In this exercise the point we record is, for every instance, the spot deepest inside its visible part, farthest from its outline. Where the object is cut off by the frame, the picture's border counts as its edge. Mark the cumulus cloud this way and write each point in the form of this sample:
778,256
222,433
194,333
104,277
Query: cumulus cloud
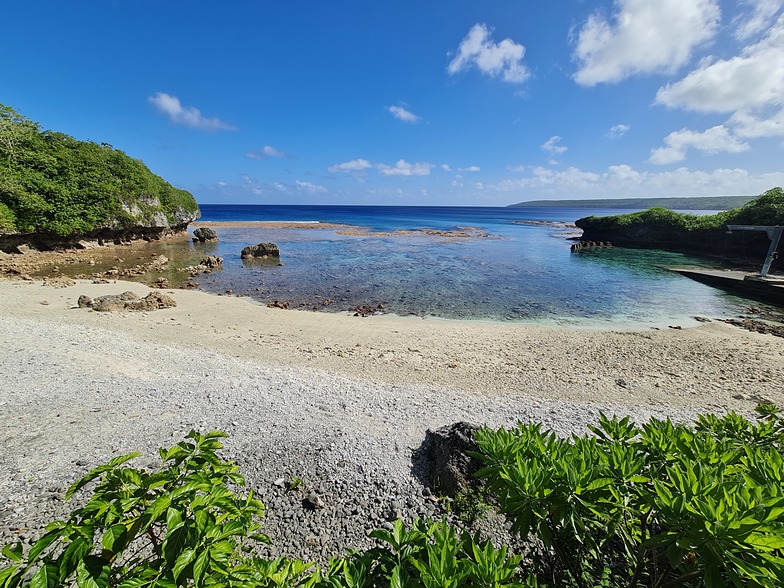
552,147
757,19
401,168
643,37
470,168
186,115
750,126
753,79
401,113
499,60
632,183
310,188
350,167
404,168
618,131
265,152
715,140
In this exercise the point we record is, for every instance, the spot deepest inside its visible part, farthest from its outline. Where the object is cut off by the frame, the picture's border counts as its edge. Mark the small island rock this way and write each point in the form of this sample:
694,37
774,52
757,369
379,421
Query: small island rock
262,250
203,234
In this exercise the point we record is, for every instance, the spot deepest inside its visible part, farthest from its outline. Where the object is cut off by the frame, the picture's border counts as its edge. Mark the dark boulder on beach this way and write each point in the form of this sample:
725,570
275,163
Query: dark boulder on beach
204,234
261,251
451,468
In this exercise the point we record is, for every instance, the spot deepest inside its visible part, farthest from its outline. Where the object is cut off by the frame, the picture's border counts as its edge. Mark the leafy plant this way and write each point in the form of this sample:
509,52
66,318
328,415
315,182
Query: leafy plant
470,505
657,505
179,525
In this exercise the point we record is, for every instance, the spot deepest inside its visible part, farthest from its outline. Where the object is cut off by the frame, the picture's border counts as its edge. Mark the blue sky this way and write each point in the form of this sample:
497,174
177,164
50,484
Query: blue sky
418,103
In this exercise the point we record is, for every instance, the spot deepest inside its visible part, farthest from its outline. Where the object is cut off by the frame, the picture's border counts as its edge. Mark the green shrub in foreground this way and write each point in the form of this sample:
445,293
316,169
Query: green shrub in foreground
658,504
654,505
182,525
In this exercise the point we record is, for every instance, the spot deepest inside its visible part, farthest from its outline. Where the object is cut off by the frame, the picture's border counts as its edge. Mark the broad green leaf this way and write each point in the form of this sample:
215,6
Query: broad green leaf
45,577
200,566
13,551
44,542
183,561
96,472
93,572
8,577
114,535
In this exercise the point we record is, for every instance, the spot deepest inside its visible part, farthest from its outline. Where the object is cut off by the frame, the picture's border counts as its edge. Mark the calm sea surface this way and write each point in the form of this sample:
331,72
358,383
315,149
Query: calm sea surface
524,273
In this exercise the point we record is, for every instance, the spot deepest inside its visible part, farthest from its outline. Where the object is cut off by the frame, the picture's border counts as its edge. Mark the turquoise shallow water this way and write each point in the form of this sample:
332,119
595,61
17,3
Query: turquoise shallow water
525,273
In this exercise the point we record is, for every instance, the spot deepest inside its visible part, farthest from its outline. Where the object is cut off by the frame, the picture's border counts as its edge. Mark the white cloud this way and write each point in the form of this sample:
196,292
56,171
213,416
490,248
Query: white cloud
445,167
186,115
643,37
265,152
749,126
470,168
552,147
350,167
618,131
358,167
715,140
753,79
504,59
757,19
310,188
632,183
403,168
401,113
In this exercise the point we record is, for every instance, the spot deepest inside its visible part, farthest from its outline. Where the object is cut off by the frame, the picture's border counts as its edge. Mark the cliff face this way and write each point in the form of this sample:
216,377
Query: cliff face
56,191
659,228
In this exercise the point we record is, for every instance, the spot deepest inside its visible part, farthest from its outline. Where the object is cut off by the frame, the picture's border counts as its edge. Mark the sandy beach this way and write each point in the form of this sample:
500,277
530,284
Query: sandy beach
339,400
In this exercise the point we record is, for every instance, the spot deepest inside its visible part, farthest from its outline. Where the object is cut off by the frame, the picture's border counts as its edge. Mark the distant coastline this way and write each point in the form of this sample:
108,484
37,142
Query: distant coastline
697,203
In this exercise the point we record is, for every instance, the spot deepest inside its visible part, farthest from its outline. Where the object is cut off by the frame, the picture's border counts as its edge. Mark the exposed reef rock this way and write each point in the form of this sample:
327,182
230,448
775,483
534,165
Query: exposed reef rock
35,242
127,301
204,234
451,468
261,251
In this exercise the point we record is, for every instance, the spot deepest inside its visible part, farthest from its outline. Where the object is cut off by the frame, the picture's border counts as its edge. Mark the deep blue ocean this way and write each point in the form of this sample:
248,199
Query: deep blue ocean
520,273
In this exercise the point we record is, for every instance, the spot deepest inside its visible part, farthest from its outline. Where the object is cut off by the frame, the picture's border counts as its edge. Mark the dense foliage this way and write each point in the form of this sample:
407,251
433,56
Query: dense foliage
767,209
653,505
53,183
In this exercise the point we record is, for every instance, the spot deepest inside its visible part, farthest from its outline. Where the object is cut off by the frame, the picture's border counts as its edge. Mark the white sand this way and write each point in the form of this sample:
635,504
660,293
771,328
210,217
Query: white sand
704,368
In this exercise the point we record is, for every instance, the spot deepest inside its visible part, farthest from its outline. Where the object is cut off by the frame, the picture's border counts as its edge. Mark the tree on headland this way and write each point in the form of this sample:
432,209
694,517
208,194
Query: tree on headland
52,183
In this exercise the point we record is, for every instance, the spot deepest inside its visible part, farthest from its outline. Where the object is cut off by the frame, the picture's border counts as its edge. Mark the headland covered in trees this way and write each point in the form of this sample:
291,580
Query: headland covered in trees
661,228
56,190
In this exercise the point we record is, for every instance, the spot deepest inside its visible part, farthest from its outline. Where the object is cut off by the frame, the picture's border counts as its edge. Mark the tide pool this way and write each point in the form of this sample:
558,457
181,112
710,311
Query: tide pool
521,273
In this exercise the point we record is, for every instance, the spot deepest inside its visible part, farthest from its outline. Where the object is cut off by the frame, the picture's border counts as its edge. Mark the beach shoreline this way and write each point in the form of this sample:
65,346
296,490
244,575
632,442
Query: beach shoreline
342,402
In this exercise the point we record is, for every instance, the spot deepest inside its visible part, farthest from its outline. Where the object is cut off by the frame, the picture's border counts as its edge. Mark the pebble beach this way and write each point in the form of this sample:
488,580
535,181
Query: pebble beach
341,402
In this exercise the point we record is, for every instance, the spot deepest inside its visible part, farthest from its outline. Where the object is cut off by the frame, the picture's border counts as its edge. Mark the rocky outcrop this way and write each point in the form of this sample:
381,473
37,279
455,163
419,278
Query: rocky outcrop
155,300
204,234
451,468
261,251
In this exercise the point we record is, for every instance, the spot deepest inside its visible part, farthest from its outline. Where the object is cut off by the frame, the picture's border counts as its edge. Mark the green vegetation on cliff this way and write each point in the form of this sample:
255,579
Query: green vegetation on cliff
660,227
51,183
